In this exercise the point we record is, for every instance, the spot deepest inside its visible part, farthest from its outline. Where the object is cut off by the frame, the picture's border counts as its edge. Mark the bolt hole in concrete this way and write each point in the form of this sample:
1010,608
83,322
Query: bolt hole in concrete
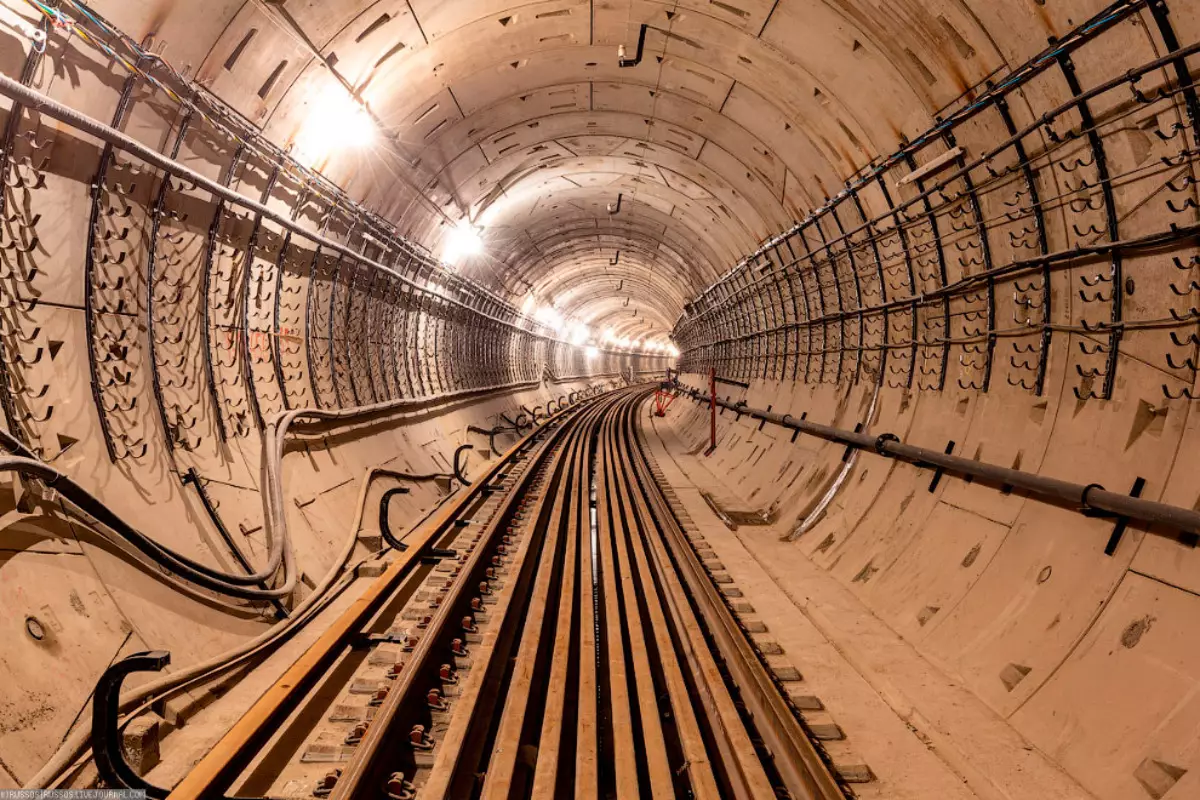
35,629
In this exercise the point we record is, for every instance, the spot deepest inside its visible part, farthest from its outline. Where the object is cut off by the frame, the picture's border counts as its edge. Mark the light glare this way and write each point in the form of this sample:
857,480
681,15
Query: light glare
462,242
549,317
335,120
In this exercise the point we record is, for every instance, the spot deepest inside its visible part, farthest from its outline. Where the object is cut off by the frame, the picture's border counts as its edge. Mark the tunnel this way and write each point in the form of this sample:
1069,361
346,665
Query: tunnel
600,398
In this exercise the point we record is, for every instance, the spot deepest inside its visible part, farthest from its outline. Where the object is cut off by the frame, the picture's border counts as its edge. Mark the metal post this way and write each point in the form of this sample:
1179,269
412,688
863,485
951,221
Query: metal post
712,409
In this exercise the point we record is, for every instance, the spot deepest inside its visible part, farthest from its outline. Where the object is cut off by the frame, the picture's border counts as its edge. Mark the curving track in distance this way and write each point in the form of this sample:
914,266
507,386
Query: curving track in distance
564,640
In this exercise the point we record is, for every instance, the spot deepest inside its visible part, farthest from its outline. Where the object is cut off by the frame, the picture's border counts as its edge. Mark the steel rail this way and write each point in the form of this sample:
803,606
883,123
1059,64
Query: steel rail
552,772
518,597
604,663
214,774
676,633
377,754
502,773
792,754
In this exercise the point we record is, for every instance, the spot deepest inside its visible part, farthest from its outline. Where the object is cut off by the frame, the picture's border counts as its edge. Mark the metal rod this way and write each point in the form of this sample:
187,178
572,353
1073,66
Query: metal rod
1090,497
712,391
36,101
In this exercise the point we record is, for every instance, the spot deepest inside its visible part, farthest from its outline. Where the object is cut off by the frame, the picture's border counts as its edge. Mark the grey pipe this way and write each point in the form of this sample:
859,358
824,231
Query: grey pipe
1092,496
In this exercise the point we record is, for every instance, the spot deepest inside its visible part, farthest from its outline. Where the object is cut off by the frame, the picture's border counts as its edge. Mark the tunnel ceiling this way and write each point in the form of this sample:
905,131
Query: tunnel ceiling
740,117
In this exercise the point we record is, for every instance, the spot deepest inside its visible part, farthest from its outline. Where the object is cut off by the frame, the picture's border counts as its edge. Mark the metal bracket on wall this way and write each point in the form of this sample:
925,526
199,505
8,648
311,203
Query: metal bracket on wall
1114,539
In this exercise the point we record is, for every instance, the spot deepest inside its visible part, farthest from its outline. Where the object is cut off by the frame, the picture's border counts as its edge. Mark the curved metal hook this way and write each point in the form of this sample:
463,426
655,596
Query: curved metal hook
1188,363
1184,393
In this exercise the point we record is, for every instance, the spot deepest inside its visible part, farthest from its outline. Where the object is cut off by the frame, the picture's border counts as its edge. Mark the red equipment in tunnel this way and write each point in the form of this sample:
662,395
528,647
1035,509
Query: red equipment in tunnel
663,397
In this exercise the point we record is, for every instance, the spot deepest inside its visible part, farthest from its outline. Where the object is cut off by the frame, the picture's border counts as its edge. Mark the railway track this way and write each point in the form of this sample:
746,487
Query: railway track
552,634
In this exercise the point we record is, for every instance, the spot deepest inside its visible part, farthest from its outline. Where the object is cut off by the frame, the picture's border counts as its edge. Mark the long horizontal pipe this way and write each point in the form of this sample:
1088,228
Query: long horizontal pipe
1127,77
1086,497
36,101
1017,77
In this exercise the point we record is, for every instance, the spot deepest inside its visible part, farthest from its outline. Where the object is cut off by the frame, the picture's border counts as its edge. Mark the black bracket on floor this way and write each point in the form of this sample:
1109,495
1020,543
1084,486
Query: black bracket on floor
365,640
107,747
796,432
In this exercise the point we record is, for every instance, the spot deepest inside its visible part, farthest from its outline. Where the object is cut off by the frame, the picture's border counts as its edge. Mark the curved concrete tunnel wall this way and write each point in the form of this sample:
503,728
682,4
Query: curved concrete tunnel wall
975,305
982,309
179,364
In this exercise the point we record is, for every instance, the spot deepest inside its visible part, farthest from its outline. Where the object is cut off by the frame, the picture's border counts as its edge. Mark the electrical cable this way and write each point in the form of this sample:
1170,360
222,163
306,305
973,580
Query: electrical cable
146,696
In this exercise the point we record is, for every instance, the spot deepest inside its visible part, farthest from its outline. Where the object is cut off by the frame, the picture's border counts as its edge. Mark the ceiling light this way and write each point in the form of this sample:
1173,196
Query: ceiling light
592,351
336,121
463,241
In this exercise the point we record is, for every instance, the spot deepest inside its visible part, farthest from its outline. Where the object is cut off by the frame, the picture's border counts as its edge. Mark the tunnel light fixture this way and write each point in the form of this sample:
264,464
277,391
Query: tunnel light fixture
336,121
462,242
579,334
592,351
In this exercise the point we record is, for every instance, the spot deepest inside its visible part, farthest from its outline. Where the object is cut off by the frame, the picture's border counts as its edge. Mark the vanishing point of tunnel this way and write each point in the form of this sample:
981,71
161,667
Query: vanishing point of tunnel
455,399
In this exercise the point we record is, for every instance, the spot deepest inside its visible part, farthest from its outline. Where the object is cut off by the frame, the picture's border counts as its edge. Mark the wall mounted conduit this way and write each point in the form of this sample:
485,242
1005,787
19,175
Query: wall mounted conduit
145,695
1090,498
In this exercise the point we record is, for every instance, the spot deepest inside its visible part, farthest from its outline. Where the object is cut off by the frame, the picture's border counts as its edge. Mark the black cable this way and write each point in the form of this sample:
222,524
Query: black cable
458,466
384,528
193,477
28,464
